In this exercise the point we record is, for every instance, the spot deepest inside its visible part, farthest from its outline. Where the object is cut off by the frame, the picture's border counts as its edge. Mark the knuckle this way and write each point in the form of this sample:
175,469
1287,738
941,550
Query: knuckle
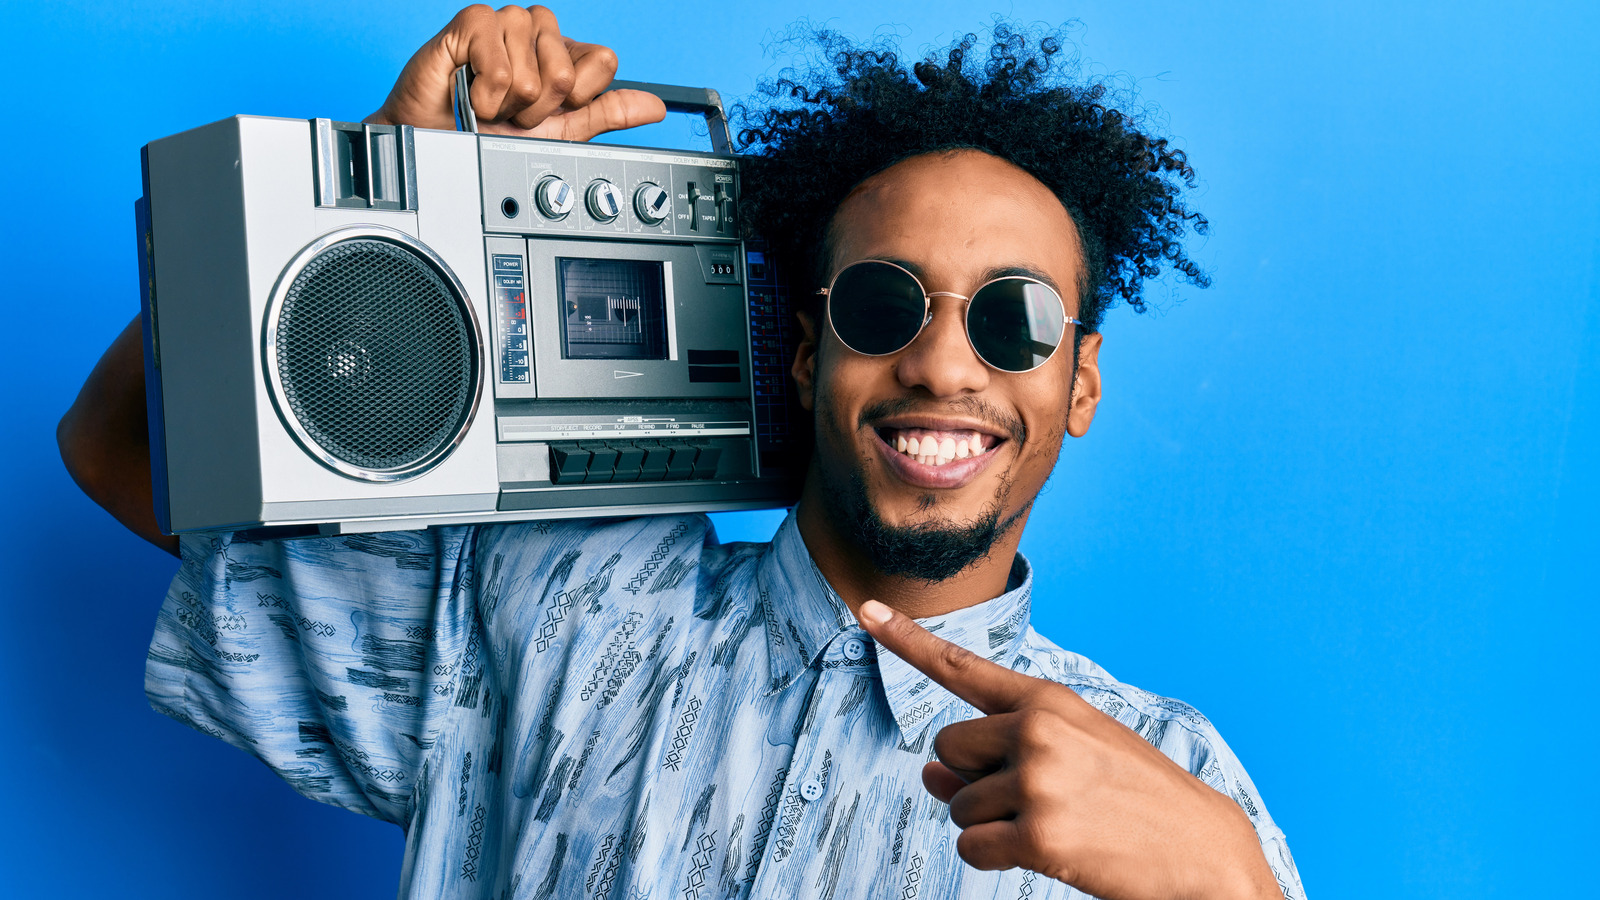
605,57
1033,839
1037,728
561,80
476,14
542,16
509,15
496,78
1031,782
525,90
956,657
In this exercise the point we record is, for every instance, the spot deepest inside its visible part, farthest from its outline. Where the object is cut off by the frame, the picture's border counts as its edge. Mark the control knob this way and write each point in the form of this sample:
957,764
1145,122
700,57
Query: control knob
604,200
554,197
651,203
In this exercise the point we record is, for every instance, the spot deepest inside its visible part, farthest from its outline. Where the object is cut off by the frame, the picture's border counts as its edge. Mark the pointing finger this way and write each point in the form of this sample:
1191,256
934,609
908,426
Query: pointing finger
991,687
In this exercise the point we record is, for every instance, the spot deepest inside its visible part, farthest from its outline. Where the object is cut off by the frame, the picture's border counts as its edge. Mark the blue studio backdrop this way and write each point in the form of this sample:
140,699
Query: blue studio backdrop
1343,502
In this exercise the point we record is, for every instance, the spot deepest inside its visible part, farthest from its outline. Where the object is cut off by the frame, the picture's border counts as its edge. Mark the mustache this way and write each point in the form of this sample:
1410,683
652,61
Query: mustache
972,407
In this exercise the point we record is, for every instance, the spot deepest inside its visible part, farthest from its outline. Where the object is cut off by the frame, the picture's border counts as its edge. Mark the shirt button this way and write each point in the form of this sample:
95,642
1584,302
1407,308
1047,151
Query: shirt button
854,649
811,790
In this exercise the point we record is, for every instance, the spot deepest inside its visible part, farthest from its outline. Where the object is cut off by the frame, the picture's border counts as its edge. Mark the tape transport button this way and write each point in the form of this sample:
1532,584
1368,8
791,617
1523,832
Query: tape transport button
656,456
681,465
630,459
705,464
568,463
602,461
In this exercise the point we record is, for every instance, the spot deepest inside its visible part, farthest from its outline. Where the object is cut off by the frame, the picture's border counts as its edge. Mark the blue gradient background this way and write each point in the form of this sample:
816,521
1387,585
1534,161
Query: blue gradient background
1343,502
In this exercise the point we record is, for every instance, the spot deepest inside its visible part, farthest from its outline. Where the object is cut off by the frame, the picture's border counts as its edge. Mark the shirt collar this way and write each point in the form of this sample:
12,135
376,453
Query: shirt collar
804,616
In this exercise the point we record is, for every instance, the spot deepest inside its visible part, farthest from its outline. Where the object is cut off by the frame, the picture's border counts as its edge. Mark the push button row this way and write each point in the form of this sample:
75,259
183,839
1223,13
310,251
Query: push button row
596,462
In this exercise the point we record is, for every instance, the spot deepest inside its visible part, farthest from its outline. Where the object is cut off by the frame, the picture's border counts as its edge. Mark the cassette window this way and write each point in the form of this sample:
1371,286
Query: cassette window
612,308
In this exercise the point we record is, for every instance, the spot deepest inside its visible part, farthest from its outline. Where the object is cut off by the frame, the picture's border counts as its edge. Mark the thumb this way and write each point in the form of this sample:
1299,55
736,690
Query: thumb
611,111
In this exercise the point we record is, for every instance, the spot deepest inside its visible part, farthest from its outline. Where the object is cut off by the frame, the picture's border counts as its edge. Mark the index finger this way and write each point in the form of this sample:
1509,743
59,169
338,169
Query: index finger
989,686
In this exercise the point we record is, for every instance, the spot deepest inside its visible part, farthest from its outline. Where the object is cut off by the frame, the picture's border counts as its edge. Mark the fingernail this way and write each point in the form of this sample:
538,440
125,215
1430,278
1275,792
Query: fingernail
875,612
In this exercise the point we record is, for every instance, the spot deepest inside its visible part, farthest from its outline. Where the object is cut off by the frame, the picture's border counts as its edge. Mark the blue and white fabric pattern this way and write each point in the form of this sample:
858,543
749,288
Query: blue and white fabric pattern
613,709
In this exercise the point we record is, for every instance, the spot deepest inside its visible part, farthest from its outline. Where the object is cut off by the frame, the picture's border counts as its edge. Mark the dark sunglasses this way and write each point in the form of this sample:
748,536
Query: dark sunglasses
1014,323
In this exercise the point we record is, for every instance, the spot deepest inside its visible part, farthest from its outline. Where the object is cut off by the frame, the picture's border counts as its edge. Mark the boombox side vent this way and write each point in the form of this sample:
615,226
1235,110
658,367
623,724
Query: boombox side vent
372,352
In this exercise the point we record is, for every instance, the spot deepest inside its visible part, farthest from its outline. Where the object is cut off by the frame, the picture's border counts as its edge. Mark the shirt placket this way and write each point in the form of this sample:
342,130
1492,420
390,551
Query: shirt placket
813,788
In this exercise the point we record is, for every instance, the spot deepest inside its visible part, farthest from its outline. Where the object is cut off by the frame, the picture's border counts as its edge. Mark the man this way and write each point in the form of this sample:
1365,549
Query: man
630,708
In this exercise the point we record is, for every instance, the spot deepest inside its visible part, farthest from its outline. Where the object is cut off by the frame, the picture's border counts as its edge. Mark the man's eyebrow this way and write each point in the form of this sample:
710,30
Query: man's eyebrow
988,275
1022,271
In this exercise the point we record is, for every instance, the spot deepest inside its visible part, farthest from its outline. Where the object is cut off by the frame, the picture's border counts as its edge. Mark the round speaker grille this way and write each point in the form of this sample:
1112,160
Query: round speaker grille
376,357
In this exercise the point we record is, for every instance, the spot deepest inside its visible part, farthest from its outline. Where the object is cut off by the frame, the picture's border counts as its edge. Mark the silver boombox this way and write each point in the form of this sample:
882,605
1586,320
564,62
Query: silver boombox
361,327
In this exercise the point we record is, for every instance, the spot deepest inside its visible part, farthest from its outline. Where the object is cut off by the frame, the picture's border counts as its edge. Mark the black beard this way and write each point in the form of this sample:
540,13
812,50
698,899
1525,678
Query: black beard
927,552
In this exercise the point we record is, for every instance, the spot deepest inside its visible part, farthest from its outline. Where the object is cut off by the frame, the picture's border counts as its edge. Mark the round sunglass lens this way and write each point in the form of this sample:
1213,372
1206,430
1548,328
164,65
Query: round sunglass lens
875,308
1015,323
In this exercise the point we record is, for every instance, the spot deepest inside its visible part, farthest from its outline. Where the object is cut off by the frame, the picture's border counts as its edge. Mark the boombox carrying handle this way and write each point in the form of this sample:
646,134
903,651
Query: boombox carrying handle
704,101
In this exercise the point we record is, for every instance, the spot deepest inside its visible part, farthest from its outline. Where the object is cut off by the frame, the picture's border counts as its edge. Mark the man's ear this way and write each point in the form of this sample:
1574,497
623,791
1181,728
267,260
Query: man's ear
804,370
1086,391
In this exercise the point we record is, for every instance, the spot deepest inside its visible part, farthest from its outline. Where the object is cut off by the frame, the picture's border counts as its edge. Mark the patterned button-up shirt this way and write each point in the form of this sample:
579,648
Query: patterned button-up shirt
617,709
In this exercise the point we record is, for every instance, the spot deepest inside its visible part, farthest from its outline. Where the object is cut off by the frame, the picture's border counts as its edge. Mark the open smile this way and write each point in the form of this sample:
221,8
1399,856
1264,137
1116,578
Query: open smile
936,454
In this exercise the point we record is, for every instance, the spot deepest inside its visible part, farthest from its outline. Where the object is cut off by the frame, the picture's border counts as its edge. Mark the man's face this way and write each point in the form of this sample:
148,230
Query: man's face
955,220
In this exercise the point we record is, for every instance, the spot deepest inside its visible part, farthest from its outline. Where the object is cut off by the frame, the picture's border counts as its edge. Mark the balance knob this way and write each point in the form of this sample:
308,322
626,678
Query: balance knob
604,201
554,197
651,203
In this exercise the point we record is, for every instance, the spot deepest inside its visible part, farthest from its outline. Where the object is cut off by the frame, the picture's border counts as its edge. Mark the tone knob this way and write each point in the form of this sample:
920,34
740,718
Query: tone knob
604,201
651,203
554,197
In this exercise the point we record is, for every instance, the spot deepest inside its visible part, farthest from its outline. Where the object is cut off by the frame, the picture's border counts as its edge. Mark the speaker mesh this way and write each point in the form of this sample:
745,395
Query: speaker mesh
375,355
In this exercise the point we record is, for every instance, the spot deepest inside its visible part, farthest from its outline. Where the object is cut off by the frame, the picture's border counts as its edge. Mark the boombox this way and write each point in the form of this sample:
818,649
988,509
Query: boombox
363,327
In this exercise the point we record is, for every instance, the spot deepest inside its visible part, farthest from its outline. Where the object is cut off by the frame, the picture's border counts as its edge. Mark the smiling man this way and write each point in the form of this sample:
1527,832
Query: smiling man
633,709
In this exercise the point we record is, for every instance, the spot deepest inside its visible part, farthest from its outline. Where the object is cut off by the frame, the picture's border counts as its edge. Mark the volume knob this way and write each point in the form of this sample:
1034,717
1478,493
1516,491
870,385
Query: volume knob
651,203
604,201
554,197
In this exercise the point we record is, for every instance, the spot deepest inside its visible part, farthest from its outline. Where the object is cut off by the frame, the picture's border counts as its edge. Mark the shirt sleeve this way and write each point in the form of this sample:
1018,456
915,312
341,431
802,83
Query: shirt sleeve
1214,763
332,660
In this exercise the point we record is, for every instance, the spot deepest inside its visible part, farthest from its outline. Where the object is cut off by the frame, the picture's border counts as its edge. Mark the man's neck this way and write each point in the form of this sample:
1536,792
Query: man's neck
854,577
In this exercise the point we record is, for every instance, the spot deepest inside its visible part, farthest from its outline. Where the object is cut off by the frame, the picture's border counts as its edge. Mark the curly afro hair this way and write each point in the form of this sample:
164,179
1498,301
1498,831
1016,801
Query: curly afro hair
814,136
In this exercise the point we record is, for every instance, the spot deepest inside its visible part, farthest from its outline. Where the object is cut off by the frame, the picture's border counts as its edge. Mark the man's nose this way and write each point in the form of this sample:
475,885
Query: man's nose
941,360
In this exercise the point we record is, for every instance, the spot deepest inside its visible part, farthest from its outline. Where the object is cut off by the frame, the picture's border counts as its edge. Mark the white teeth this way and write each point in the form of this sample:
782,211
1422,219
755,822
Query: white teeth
936,451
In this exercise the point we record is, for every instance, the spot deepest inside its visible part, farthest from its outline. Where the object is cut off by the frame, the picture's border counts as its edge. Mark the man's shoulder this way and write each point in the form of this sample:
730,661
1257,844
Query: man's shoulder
1043,658
662,557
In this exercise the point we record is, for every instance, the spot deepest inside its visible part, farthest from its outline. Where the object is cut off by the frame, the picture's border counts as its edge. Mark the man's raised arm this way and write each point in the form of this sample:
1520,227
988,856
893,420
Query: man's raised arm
530,80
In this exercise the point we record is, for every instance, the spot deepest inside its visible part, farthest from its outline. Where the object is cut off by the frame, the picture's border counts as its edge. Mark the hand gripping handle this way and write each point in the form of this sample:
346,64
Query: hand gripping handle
703,101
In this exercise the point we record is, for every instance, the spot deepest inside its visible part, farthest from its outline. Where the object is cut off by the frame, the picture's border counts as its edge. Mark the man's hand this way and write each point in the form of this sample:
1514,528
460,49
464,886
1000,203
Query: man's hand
1049,783
530,80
